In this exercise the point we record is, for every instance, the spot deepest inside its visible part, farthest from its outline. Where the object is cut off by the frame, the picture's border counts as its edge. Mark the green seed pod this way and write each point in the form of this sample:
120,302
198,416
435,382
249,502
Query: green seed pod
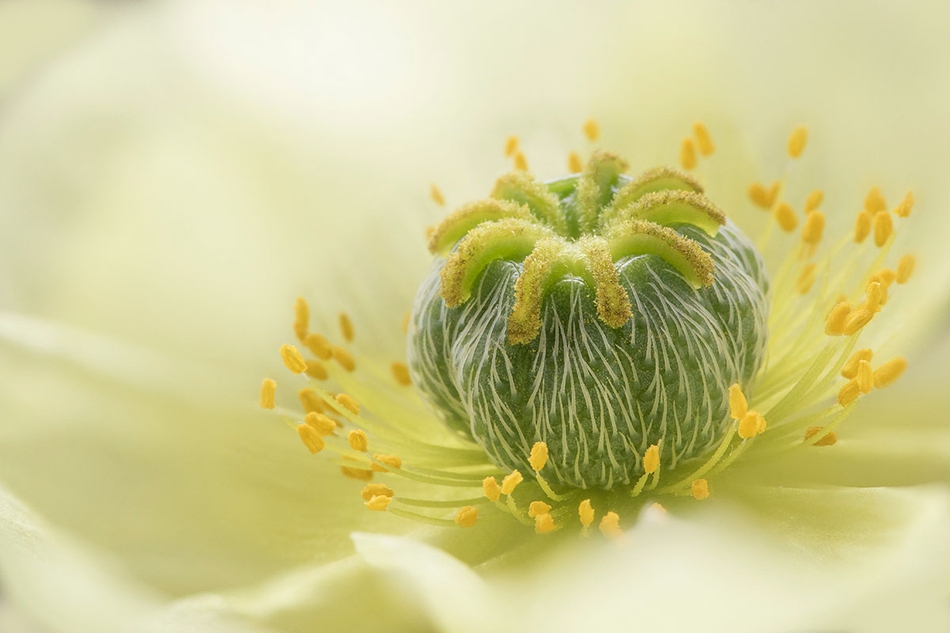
598,314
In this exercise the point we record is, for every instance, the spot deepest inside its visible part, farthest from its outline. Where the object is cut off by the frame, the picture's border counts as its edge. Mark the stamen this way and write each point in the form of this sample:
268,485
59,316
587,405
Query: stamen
814,200
310,438
465,218
521,163
703,140
320,423
343,357
651,459
376,490
865,378
310,401
761,196
490,489
389,463
875,294
850,368
539,456
358,440
752,424
862,226
738,405
538,507
585,511
700,489
906,206
874,201
797,141
466,516
814,228
595,186
883,227
292,359
348,403
401,373
544,524
858,318
574,163
346,327
849,393
511,144
834,324
829,439
889,372
319,345
316,370
405,322
687,154
509,483
905,268
436,195
268,388
685,255
591,130
610,525
785,216
359,474
301,318
806,279
378,503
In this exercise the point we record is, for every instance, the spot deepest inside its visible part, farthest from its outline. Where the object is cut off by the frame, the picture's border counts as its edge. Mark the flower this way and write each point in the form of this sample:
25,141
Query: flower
181,209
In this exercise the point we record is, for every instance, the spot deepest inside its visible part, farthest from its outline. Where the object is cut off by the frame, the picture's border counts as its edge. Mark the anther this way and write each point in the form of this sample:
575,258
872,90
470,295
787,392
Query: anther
379,503
376,490
358,440
574,163
883,227
889,372
850,368
301,318
401,373
785,216
539,456
763,196
830,439
316,370
509,483
814,228
797,141
862,226
703,140
538,507
585,511
360,474
738,405
268,388
490,489
544,524
700,489
858,318
687,154
834,324
436,195
849,393
319,345
521,163
511,144
348,403
752,424
344,358
651,459
391,462
906,206
310,401
292,359
346,327
865,377
591,130
610,525
806,279
885,275
466,516
814,200
322,424
405,322
905,268
310,438
874,201
875,294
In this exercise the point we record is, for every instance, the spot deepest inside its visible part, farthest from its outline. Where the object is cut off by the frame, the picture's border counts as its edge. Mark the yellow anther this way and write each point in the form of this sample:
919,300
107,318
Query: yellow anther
490,489
906,206
376,490
759,195
538,507
406,318
301,318
700,489
436,194
348,403
316,370
610,525
320,423
539,456
466,516
591,130
344,358
889,372
574,163
875,201
509,483
883,227
814,200
850,368
292,359
310,401
360,474
392,462
268,388
814,227
885,275
319,345
797,141
703,140
310,438
401,373
752,424
849,393
785,216
651,459
543,524
865,377
511,145
378,503
738,405
828,440
875,295
358,440
905,268
858,318
586,513
346,327
806,279
521,163
834,324
862,226
687,154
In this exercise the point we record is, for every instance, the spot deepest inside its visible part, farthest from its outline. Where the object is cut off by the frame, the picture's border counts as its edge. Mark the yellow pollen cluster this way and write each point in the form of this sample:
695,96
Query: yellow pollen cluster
436,194
539,456
699,489
610,525
751,423
700,142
